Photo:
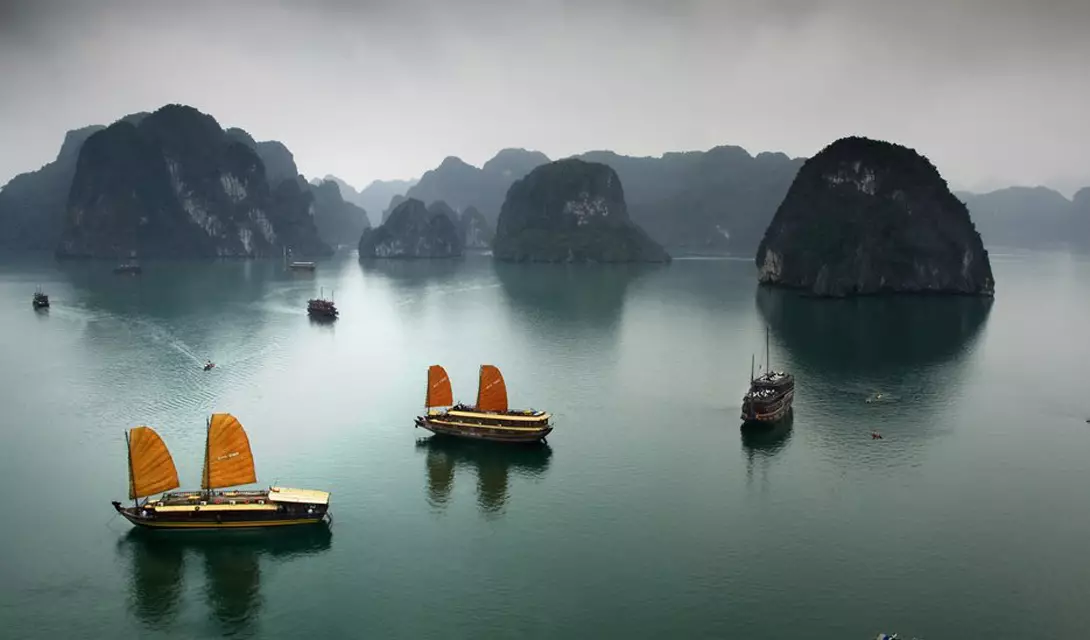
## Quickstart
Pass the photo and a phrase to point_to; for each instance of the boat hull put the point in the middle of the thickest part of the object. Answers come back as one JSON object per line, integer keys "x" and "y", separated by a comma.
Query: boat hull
{"x": 768, "y": 413}
{"x": 486, "y": 432}
{"x": 290, "y": 515}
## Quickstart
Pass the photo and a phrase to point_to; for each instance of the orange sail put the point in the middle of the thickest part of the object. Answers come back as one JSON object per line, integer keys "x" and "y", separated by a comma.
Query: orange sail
{"x": 491, "y": 391}
{"x": 439, "y": 393}
{"x": 227, "y": 459}
{"x": 151, "y": 469}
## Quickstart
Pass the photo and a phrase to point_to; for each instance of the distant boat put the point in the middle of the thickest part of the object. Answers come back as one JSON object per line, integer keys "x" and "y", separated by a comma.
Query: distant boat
{"x": 770, "y": 395}
{"x": 490, "y": 419}
{"x": 228, "y": 462}
{"x": 129, "y": 266}
{"x": 321, "y": 309}
{"x": 41, "y": 301}
{"x": 208, "y": 366}
{"x": 296, "y": 264}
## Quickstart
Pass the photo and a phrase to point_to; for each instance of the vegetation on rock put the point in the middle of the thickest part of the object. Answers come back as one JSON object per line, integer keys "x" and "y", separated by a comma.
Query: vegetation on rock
{"x": 865, "y": 216}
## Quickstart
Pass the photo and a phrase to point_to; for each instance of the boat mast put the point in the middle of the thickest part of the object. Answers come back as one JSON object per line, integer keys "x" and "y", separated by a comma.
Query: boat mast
{"x": 132, "y": 487}
{"x": 752, "y": 360}
{"x": 204, "y": 480}
{"x": 767, "y": 365}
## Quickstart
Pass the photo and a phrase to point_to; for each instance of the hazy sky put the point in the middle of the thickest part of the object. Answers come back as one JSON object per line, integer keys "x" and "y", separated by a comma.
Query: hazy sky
{"x": 993, "y": 91}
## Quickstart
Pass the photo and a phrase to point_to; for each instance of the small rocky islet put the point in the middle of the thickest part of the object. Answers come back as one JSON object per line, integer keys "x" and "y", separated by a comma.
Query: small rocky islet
{"x": 412, "y": 230}
{"x": 869, "y": 217}
{"x": 571, "y": 211}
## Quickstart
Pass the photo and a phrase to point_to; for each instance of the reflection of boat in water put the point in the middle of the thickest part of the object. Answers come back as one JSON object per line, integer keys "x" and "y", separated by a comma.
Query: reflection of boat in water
{"x": 232, "y": 566}
{"x": 766, "y": 439}
{"x": 770, "y": 395}
{"x": 489, "y": 419}
{"x": 228, "y": 462}
{"x": 492, "y": 465}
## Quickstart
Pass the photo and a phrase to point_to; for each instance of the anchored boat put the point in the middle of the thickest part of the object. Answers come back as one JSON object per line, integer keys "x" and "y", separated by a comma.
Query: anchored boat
{"x": 228, "y": 462}
{"x": 489, "y": 419}
{"x": 770, "y": 394}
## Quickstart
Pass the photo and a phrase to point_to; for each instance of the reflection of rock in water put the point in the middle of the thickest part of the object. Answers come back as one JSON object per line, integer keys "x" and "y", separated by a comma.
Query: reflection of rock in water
{"x": 415, "y": 272}
{"x": 591, "y": 294}
{"x": 491, "y": 462}
{"x": 872, "y": 334}
{"x": 232, "y": 568}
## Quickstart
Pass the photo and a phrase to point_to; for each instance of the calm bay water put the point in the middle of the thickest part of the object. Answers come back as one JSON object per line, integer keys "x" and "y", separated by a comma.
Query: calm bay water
{"x": 649, "y": 514}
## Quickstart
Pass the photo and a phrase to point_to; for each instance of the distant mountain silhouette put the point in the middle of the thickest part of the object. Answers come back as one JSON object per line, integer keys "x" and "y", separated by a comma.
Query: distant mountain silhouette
{"x": 32, "y": 203}
{"x": 701, "y": 201}
{"x": 1022, "y": 216}
{"x": 373, "y": 198}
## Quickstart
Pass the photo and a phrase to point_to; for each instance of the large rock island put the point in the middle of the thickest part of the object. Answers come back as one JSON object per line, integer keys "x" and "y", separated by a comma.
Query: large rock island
{"x": 865, "y": 217}
{"x": 571, "y": 211}
{"x": 413, "y": 231}
{"x": 175, "y": 184}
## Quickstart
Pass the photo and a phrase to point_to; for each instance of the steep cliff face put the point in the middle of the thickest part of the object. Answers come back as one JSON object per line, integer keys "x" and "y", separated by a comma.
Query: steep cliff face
{"x": 412, "y": 231}
{"x": 278, "y": 160}
{"x": 338, "y": 222}
{"x": 476, "y": 233}
{"x": 571, "y": 211}
{"x": 864, "y": 217}
{"x": 176, "y": 185}
{"x": 1081, "y": 217}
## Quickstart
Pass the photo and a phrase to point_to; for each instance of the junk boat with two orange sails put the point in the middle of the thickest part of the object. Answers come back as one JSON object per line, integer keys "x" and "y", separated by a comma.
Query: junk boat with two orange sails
{"x": 770, "y": 394}
{"x": 228, "y": 462}
{"x": 489, "y": 419}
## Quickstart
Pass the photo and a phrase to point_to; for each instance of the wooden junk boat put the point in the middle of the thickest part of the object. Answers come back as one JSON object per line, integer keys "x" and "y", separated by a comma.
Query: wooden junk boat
{"x": 41, "y": 301}
{"x": 770, "y": 394}
{"x": 489, "y": 419}
{"x": 228, "y": 462}
{"x": 321, "y": 309}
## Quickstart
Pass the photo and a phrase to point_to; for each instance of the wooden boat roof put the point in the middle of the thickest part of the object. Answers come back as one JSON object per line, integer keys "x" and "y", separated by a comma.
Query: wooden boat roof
{"x": 167, "y": 508}
{"x": 288, "y": 494}
{"x": 535, "y": 416}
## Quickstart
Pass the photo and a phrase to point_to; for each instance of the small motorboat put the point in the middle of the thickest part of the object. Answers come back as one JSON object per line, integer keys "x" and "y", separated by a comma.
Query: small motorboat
{"x": 208, "y": 366}
{"x": 41, "y": 301}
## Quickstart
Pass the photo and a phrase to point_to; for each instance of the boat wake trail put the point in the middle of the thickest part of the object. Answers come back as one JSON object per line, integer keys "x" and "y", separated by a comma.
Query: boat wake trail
{"x": 158, "y": 334}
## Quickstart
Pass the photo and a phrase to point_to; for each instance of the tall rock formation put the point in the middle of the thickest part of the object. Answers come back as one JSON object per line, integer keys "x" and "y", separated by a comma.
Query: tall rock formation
{"x": 412, "y": 231}
{"x": 864, "y": 217}
{"x": 476, "y": 233}
{"x": 339, "y": 222}
{"x": 177, "y": 185}
{"x": 571, "y": 211}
